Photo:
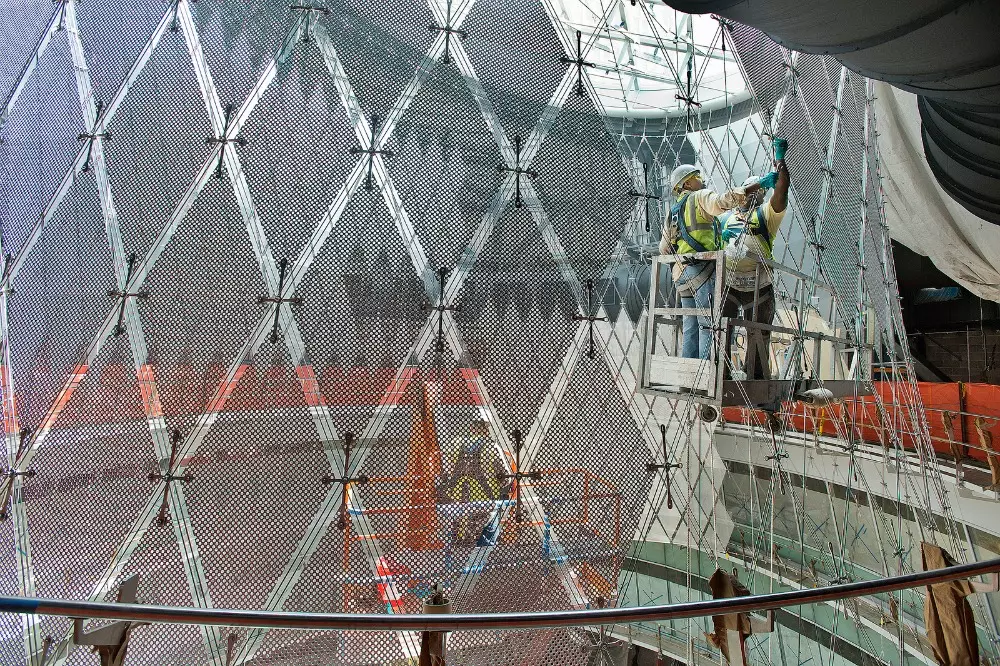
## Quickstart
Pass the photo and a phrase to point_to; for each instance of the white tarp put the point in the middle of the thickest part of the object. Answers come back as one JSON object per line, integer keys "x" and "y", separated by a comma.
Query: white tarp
{"x": 920, "y": 214}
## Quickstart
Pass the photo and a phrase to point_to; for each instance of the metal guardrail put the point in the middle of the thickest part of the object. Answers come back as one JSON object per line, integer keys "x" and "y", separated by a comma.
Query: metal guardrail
{"x": 481, "y": 621}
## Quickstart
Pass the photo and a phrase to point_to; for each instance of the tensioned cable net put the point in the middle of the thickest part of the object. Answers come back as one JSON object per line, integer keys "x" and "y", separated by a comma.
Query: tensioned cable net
{"x": 319, "y": 306}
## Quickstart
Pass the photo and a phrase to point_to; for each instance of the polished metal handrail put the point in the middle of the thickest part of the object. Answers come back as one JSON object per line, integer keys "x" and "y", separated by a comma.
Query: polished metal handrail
{"x": 480, "y": 621}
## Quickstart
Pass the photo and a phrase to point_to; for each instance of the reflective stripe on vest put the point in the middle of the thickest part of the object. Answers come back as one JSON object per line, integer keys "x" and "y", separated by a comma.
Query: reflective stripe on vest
{"x": 698, "y": 232}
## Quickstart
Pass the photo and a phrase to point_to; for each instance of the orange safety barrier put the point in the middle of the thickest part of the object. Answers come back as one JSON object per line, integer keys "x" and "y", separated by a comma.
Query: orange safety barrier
{"x": 963, "y": 419}
{"x": 423, "y": 466}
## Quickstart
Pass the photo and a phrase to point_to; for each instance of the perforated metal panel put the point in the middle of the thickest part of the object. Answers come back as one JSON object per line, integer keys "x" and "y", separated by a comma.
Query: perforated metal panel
{"x": 113, "y": 34}
{"x": 38, "y": 141}
{"x": 290, "y": 180}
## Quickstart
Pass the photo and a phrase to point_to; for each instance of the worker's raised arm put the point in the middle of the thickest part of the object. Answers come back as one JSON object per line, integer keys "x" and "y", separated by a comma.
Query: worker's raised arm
{"x": 717, "y": 204}
{"x": 779, "y": 200}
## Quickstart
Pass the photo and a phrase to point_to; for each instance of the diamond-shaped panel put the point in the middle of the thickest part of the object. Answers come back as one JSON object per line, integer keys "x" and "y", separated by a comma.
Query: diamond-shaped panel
{"x": 435, "y": 480}
{"x": 200, "y": 312}
{"x": 518, "y": 324}
{"x": 515, "y": 53}
{"x": 157, "y": 144}
{"x": 60, "y": 300}
{"x": 38, "y": 142}
{"x": 239, "y": 38}
{"x": 298, "y": 153}
{"x": 594, "y": 480}
{"x": 381, "y": 43}
{"x": 256, "y": 483}
{"x": 590, "y": 208}
{"x": 446, "y": 164}
{"x": 362, "y": 309}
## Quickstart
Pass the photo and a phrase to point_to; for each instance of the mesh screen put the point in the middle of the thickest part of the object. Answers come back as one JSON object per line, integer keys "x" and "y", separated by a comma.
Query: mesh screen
{"x": 296, "y": 158}
{"x": 588, "y": 211}
{"x": 446, "y": 165}
{"x": 363, "y": 309}
{"x": 169, "y": 644}
{"x": 11, "y": 629}
{"x": 38, "y": 141}
{"x": 188, "y": 282}
{"x": 21, "y": 25}
{"x": 257, "y": 482}
{"x": 113, "y": 33}
{"x": 515, "y": 53}
{"x": 157, "y": 144}
{"x": 255, "y": 517}
{"x": 380, "y": 43}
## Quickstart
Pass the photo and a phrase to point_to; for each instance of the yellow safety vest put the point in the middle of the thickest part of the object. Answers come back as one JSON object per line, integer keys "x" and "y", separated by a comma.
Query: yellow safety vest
{"x": 757, "y": 225}
{"x": 697, "y": 230}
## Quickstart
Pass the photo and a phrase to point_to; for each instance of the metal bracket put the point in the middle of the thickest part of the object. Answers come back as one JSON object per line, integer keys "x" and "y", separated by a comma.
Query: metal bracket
{"x": 517, "y": 476}
{"x": 579, "y": 63}
{"x": 346, "y": 480}
{"x": 279, "y": 299}
{"x": 441, "y": 308}
{"x": 371, "y": 151}
{"x": 169, "y": 477}
{"x": 666, "y": 466}
{"x": 310, "y": 11}
{"x": 518, "y": 172}
{"x": 90, "y": 136}
{"x": 142, "y": 294}
{"x": 11, "y": 474}
{"x": 448, "y": 31}
{"x": 224, "y": 140}
{"x": 590, "y": 318}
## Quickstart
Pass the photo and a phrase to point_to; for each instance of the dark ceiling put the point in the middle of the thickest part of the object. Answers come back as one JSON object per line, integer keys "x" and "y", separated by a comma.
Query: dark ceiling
{"x": 945, "y": 51}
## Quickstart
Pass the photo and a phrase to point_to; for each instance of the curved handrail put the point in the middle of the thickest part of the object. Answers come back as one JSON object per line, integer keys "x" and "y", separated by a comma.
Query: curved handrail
{"x": 480, "y": 621}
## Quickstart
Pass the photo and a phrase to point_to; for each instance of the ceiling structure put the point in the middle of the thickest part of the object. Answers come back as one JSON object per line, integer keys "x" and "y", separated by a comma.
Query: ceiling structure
{"x": 641, "y": 52}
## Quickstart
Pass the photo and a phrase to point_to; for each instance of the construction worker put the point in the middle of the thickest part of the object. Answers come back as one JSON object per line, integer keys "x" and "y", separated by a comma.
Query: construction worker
{"x": 750, "y": 233}
{"x": 473, "y": 475}
{"x": 473, "y": 478}
{"x": 695, "y": 228}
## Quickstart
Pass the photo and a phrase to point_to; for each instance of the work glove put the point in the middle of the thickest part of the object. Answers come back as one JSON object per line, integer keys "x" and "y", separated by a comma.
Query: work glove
{"x": 734, "y": 229}
{"x": 780, "y": 146}
{"x": 769, "y": 180}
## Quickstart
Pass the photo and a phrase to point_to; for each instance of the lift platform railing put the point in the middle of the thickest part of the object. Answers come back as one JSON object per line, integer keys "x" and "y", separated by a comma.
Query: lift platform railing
{"x": 131, "y": 612}
{"x": 799, "y": 358}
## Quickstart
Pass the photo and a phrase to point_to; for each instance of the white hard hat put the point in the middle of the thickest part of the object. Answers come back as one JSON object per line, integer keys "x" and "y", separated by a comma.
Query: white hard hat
{"x": 680, "y": 174}
{"x": 752, "y": 180}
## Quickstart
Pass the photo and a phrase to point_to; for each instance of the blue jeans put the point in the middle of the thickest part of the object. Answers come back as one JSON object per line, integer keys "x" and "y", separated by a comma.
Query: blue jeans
{"x": 697, "y": 331}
